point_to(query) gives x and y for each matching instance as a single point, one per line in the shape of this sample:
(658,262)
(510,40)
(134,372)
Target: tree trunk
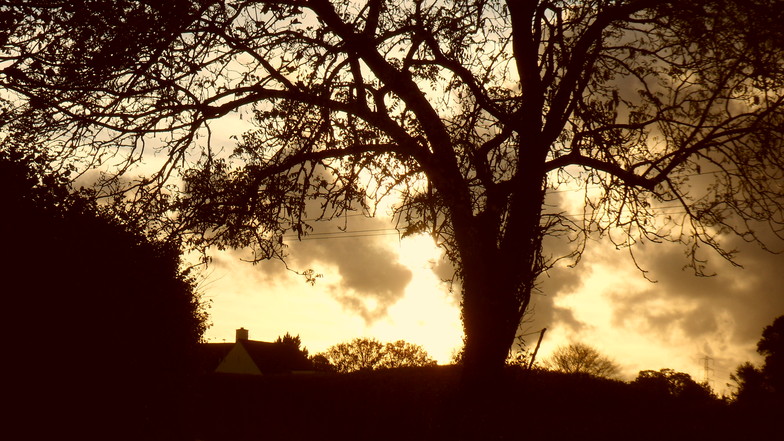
(490,319)
(498,276)
(497,285)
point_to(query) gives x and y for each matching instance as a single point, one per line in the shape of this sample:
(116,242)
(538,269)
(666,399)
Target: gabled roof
(274,358)
(266,358)
(211,354)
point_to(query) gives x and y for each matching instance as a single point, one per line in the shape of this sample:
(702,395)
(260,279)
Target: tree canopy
(667,382)
(764,386)
(579,358)
(667,114)
(293,342)
(364,354)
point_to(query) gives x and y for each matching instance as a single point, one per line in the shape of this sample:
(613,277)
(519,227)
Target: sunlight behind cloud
(270,301)
(427,315)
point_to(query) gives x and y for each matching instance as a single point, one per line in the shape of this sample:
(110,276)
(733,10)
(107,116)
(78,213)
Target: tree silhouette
(667,382)
(764,386)
(668,114)
(321,363)
(293,342)
(363,354)
(771,345)
(577,358)
(404,354)
(104,323)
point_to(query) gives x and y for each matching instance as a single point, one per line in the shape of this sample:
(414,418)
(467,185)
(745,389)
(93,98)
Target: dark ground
(423,404)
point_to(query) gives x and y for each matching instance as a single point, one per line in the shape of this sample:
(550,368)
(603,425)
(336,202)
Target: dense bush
(104,324)
(426,403)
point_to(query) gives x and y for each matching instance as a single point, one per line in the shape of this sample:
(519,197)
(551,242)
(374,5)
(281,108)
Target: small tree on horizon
(363,354)
(360,354)
(403,354)
(293,342)
(580,358)
(667,382)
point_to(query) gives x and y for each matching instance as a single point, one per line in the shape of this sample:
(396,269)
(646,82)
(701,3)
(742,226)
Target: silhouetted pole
(538,343)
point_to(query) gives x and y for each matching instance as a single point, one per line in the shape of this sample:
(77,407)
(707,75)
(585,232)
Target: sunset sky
(645,312)
(375,284)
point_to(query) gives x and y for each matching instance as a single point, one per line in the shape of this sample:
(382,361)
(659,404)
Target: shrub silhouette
(102,317)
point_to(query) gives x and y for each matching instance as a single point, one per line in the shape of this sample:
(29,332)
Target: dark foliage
(667,113)
(321,363)
(426,404)
(367,354)
(102,322)
(761,390)
(771,345)
(669,383)
(295,343)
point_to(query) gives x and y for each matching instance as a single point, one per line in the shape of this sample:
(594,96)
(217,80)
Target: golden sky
(378,285)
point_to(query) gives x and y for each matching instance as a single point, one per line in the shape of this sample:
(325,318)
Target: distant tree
(102,319)
(667,382)
(771,345)
(359,354)
(404,354)
(762,386)
(370,354)
(581,358)
(293,342)
(321,363)
(294,354)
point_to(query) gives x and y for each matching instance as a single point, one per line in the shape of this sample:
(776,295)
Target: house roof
(211,354)
(275,357)
(269,358)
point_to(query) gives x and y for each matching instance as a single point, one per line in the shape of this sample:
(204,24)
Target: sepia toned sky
(377,284)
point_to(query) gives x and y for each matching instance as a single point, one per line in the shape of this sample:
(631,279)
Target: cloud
(735,302)
(721,317)
(371,277)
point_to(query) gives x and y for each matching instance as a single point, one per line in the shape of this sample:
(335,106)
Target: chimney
(242,334)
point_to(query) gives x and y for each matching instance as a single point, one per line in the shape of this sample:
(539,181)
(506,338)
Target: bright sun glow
(428,314)
(242,295)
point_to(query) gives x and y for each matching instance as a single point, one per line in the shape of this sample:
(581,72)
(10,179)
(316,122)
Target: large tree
(667,113)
